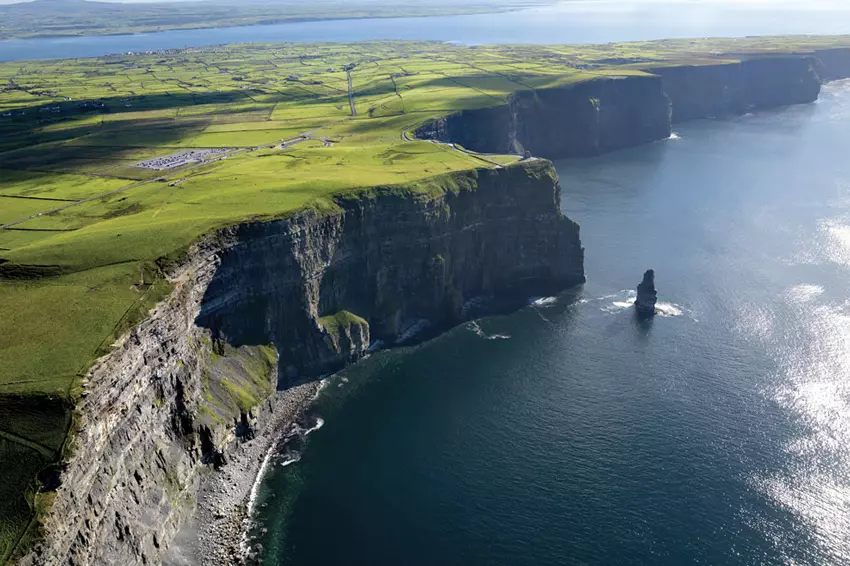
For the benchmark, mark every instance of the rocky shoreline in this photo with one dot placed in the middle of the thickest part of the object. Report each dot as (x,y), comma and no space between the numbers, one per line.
(216,532)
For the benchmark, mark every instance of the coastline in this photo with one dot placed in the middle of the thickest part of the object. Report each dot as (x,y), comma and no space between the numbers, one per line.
(215,534)
(283,20)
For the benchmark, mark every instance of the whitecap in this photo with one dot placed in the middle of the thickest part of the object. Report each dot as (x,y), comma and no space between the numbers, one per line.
(290,459)
(322,384)
(255,488)
(674,136)
(319,424)
(625,299)
(668,309)
(543,301)
(475,327)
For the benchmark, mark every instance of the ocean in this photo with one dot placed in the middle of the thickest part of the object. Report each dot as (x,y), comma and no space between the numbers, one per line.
(570,432)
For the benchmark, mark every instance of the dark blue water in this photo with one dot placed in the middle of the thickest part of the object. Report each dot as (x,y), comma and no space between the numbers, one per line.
(596,21)
(569,433)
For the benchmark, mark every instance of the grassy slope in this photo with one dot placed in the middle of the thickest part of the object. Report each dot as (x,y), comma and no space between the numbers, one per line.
(72,130)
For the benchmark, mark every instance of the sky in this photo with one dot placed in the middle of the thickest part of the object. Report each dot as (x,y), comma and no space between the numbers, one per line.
(785,4)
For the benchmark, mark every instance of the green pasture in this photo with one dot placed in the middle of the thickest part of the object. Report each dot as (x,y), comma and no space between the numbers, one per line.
(72,133)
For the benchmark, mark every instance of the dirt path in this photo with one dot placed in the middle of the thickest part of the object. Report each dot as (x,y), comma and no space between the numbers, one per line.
(351,95)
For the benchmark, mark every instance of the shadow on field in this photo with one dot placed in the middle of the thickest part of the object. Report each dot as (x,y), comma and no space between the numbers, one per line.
(32,433)
(24,127)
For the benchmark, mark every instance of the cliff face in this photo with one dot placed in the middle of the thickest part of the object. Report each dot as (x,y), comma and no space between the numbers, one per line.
(582,119)
(729,89)
(384,266)
(835,63)
(180,387)
(602,115)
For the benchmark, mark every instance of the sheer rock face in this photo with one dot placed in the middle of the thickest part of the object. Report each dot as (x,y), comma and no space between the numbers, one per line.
(729,89)
(400,263)
(157,410)
(834,63)
(647,295)
(601,115)
(586,118)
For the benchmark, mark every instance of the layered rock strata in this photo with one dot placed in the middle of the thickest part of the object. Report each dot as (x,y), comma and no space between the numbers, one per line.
(581,119)
(601,115)
(702,91)
(262,303)
(386,265)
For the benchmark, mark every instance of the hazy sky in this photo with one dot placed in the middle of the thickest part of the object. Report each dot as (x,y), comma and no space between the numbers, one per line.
(795,4)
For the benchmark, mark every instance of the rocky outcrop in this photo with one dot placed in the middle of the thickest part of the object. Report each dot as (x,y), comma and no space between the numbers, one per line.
(647,295)
(153,412)
(385,266)
(702,91)
(581,119)
(294,297)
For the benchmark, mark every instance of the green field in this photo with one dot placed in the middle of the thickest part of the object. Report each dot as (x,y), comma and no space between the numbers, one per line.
(72,133)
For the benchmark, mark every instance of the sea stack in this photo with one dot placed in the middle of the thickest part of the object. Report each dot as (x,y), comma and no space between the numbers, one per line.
(647,295)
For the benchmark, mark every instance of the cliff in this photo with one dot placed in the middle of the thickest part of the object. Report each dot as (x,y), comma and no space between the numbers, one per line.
(701,91)
(834,63)
(394,264)
(581,119)
(262,303)
(606,114)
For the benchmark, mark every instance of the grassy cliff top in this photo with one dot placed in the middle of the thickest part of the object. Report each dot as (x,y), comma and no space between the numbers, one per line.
(83,226)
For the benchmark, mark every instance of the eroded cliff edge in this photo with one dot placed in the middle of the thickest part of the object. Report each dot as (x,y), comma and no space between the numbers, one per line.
(605,114)
(276,302)
(387,265)
(580,119)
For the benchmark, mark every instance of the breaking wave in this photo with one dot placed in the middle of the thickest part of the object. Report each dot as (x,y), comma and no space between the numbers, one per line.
(475,327)
(625,299)
(543,301)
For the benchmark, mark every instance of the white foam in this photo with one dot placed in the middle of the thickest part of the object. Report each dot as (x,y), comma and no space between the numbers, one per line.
(322,384)
(544,301)
(475,327)
(668,309)
(625,299)
(255,488)
(290,459)
(319,424)
(674,136)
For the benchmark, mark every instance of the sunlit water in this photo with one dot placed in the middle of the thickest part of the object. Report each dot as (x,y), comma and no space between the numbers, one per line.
(569,433)
(574,21)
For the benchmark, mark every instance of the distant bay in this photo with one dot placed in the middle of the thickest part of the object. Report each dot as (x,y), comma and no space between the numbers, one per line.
(568,22)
